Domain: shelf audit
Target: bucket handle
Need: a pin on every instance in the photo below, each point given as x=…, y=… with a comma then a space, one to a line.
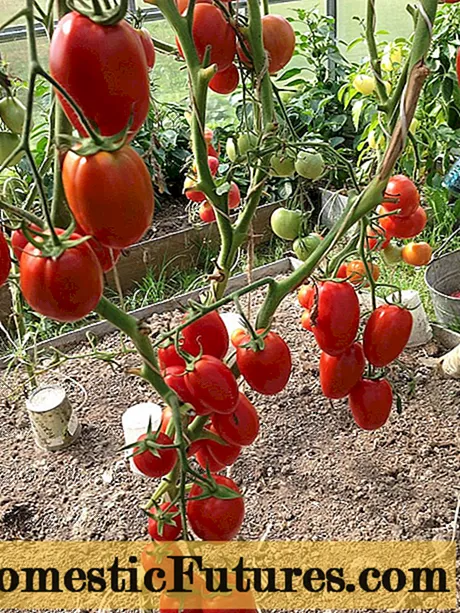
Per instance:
x=437, y=254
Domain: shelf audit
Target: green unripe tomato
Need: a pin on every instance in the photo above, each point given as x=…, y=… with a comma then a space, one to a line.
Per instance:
x=282, y=166
x=286, y=224
x=392, y=254
x=230, y=149
x=309, y=165
x=8, y=143
x=13, y=113
x=246, y=142
x=304, y=247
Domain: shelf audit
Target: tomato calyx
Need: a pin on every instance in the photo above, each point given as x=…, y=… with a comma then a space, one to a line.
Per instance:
x=53, y=244
x=104, y=17
x=149, y=443
x=256, y=341
x=90, y=145
x=211, y=489
x=163, y=517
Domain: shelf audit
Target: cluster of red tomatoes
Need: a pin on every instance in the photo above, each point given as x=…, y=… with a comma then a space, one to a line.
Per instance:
x=332, y=313
x=201, y=379
x=206, y=211
x=213, y=29
x=108, y=187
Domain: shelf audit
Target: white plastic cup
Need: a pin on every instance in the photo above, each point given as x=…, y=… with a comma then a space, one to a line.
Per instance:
x=421, y=329
x=135, y=421
x=232, y=322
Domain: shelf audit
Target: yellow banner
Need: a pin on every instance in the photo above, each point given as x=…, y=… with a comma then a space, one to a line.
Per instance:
x=236, y=575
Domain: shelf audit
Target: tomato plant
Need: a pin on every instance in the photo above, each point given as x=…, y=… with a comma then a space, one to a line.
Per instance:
x=213, y=518
x=114, y=64
x=110, y=195
x=386, y=334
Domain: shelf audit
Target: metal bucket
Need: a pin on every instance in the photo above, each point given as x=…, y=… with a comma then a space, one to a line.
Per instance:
x=443, y=279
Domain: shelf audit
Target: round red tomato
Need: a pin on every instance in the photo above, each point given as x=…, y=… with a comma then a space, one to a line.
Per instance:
x=267, y=370
x=5, y=259
x=175, y=377
x=103, y=68
x=240, y=427
x=404, y=227
x=168, y=356
x=207, y=334
x=212, y=384
x=306, y=295
x=167, y=525
x=339, y=374
x=211, y=29
x=334, y=319
x=234, y=196
x=370, y=403
x=386, y=334
x=65, y=288
x=148, y=46
x=225, y=81
x=107, y=257
x=206, y=212
x=19, y=241
x=406, y=196
x=110, y=195
x=214, y=518
x=155, y=464
x=342, y=272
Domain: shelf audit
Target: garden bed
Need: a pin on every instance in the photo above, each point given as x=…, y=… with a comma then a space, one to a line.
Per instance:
x=311, y=475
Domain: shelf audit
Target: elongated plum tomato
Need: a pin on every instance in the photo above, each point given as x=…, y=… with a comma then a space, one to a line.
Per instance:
x=170, y=525
x=404, y=227
x=19, y=241
x=223, y=454
x=370, y=403
x=335, y=319
x=405, y=195
x=386, y=334
x=210, y=29
x=213, y=518
x=113, y=87
x=175, y=378
x=234, y=196
x=155, y=464
x=240, y=427
x=342, y=272
x=213, y=385
x=206, y=212
x=207, y=334
x=65, y=288
x=110, y=195
x=267, y=370
x=225, y=81
x=5, y=260
x=279, y=42
x=339, y=374
x=148, y=46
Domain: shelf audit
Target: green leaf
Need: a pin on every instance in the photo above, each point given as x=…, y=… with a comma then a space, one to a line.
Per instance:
x=356, y=112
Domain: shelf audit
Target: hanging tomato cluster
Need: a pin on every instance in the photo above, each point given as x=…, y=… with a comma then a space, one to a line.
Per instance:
x=332, y=313
x=196, y=371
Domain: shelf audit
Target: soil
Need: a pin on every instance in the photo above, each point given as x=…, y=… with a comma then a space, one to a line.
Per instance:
x=311, y=474
x=171, y=216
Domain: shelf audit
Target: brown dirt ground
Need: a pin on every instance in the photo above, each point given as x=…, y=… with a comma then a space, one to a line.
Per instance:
x=311, y=474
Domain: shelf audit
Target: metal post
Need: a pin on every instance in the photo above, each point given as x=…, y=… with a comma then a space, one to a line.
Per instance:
x=331, y=11
x=132, y=6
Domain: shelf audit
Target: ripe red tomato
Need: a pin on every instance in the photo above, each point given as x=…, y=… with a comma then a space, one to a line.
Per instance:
x=211, y=29
x=339, y=374
x=234, y=196
x=110, y=195
x=406, y=194
x=204, y=458
x=215, y=519
x=237, y=336
x=175, y=377
x=404, y=227
x=225, y=455
x=5, y=259
x=105, y=71
x=279, y=42
x=225, y=81
x=107, y=257
x=342, y=271
x=168, y=356
x=370, y=403
x=19, y=241
x=206, y=212
x=377, y=239
x=155, y=465
x=66, y=288
x=306, y=321
x=207, y=334
x=306, y=296
x=213, y=164
x=240, y=427
x=213, y=385
x=357, y=273
x=386, y=334
x=148, y=46
x=168, y=523
x=267, y=371
x=336, y=320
